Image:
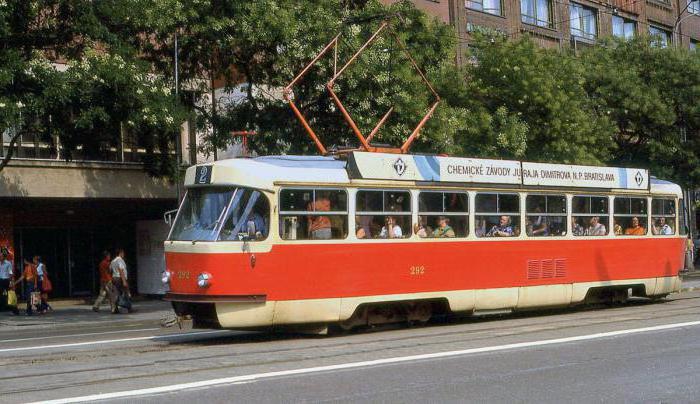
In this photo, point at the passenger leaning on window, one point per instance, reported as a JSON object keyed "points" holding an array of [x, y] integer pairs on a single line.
{"points": [[662, 228], [576, 229], [443, 228], [391, 229], [320, 226], [502, 229], [635, 229], [595, 228]]}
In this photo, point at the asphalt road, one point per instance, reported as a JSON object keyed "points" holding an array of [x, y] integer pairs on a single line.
{"points": [[637, 352]]}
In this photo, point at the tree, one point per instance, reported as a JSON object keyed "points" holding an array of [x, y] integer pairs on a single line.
{"points": [[653, 102], [67, 73], [527, 102], [256, 48]]}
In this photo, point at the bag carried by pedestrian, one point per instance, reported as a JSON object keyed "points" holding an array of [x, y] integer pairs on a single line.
{"points": [[11, 298], [46, 285], [124, 301], [35, 299]]}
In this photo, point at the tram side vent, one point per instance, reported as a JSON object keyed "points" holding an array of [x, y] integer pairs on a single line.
{"points": [[546, 269], [560, 268], [534, 269]]}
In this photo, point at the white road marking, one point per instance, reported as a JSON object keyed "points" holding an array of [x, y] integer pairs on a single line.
{"points": [[111, 341], [351, 365], [78, 335]]}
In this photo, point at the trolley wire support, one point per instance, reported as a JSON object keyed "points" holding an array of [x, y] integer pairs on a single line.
{"points": [[365, 141]]}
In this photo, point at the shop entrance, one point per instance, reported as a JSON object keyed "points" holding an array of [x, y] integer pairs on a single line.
{"points": [[71, 255]]}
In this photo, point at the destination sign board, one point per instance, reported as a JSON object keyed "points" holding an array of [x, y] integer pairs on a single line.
{"points": [[383, 166]]}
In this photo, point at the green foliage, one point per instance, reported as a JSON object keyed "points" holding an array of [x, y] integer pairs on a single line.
{"points": [[66, 73], [622, 103], [651, 94]]}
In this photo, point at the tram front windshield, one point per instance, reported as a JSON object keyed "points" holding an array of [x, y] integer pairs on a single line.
{"points": [[227, 214]]}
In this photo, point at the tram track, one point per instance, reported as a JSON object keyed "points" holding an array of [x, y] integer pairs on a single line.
{"points": [[341, 348]]}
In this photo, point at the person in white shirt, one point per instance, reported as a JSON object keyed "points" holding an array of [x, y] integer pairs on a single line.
{"points": [[662, 228], [120, 280], [391, 229], [596, 228], [5, 279]]}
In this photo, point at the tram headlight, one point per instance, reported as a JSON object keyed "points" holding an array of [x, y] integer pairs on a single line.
{"points": [[204, 280], [165, 277]]}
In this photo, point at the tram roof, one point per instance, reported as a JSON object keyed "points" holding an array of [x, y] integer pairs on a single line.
{"points": [[264, 172]]}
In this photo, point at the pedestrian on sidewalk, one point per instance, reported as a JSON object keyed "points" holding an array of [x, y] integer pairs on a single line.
{"points": [[31, 280], [45, 285], [121, 296], [5, 280], [106, 288]]}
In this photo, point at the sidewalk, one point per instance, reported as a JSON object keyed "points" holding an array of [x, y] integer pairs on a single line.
{"points": [[691, 281], [77, 313]]}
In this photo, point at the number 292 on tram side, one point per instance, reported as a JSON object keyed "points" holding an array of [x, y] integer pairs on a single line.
{"points": [[301, 241]]}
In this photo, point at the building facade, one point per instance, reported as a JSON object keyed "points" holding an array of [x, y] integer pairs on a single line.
{"points": [[69, 212], [565, 23]]}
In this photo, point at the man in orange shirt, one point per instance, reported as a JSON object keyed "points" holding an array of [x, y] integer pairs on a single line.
{"points": [[636, 229], [320, 226], [105, 281], [31, 279]]}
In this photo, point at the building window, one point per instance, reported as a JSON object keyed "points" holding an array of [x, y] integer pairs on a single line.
{"points": [[383, 214], [497, 215], [443, 214], [694, 6], [583, 21], [630, 216], [487, 6], [623, 28], [662, 36], [536, 12], [590, 216], [663, 217], [546, 215], [313, 214]]}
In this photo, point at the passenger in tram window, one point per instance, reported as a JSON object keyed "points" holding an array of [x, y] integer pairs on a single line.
{"points": [[420, 229], [595, 228], [366, 223], [443, 228], [319, 227], [480, 228], [617, 229], [576, 229], [256, 227], [662, 228], [360, 232], [635, 229], [502, 229], [391, 229]]}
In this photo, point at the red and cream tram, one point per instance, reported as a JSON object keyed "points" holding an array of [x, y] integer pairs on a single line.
{"points": [[370, 238]]}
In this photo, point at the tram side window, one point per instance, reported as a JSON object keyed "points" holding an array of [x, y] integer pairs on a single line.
{"points": [[442, 214], [383, 214], [248, 217], [313, 214], [630, 217], [497, 215], [663, 216], [590, 216], [546, 215]]}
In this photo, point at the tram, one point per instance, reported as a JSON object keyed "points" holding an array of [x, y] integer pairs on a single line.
{"points": [[369, 238]]}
